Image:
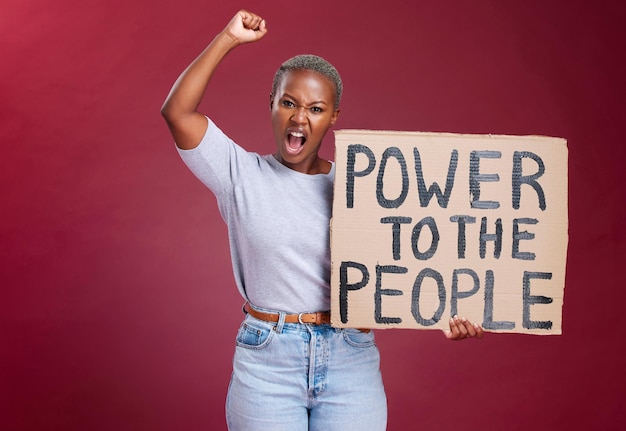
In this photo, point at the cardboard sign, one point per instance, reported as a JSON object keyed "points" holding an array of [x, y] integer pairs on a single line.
{"points": [[430, 225]]}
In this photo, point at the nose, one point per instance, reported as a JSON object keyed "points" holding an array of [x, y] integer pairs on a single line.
{"points": [[299, 115]]}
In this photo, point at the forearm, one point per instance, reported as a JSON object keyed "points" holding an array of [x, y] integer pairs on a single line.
{"points": [[191, 85]]}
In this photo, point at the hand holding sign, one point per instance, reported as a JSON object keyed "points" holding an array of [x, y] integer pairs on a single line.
{"points": [[461, 328]]}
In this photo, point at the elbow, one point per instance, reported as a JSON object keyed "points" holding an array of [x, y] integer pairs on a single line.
{"points": [[166, 111], [170, 114], [174, 113]]}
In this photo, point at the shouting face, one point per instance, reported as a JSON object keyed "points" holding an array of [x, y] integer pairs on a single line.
{"points": [[302, 112]]}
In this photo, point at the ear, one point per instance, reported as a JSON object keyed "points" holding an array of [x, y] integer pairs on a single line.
{"points": [[271, 100], [333, 119]]}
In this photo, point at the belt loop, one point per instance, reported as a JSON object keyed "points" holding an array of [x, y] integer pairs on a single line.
{"points": [[281, 322]]}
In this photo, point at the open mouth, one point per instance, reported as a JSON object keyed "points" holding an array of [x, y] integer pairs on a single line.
{"points": [[295, 141]]}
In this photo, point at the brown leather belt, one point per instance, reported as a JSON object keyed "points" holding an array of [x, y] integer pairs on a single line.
{"points": [[309, 318]]}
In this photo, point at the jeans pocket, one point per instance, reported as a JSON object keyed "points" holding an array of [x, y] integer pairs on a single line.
{"points": [[358, 338], [255, 337]]}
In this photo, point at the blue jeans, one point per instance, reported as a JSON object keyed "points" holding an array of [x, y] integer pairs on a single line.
{"points": [[291, 376]]}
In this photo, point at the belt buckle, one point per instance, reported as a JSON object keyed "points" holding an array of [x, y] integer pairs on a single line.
{"points": [[317, 318]]}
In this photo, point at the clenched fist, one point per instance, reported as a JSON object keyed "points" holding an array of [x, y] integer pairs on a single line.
{"points": [[246, 27]]}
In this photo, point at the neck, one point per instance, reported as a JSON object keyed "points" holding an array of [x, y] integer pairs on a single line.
{"points": [[312, 167]]}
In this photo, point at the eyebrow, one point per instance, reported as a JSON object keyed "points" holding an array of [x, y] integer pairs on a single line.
{"points": [[322, 102]]}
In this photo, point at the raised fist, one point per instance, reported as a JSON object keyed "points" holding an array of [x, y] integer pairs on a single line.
{"points": [[246, 27]]}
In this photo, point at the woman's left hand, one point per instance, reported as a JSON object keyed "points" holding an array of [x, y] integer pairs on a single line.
{"points": [[461, 328]]}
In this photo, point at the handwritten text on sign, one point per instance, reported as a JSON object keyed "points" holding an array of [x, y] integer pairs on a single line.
{"points": [[430, 225]]}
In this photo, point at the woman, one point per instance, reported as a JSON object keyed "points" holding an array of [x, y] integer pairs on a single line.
{"points": [[291, 370]]}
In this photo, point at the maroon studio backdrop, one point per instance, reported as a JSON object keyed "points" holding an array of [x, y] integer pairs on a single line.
{"points": [[118, 308]]}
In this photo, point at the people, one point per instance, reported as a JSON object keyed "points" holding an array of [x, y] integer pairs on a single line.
{"points": [[291, 369]]}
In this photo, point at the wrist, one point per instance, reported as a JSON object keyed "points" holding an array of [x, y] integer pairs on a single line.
{"points": [[229, 40]]}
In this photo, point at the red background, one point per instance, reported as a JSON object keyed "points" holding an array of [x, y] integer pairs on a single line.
{"points": [[118, 308]]}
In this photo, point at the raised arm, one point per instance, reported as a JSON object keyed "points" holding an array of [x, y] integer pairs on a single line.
{"points": [[180, 109]]}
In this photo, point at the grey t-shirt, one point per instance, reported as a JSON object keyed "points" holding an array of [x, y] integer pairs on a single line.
{"points": [[278, 223]]}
